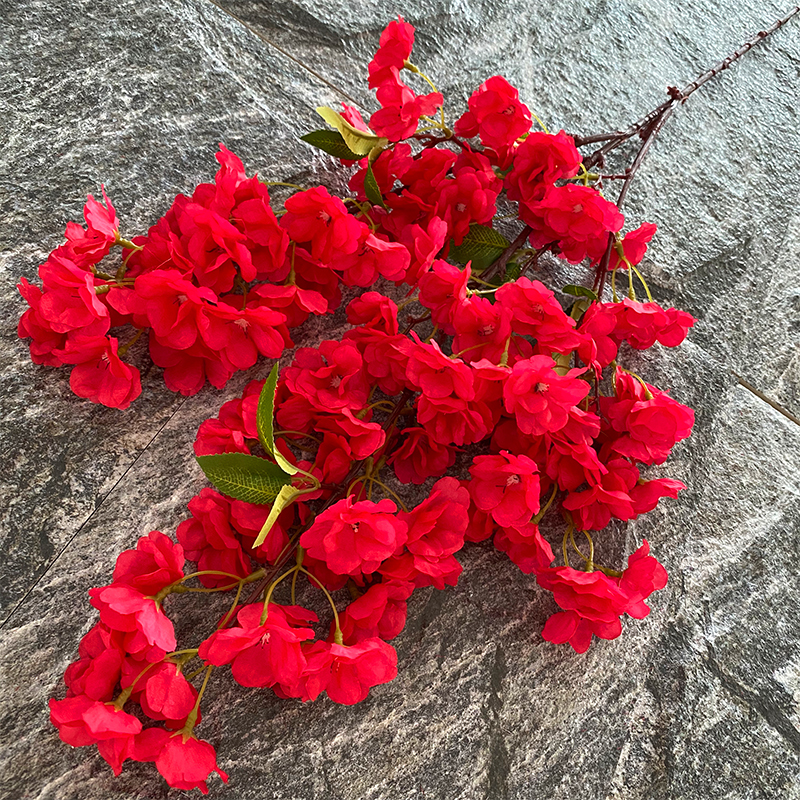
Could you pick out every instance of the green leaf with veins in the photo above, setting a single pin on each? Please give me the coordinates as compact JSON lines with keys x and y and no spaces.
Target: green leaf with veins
{"x":482,"y":246}
{"x":264,"y":421}
{"x":244,"y":477}
{"x":331,"y":142}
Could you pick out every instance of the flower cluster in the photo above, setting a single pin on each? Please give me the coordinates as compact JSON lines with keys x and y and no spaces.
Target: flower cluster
{"x":479,"y":364}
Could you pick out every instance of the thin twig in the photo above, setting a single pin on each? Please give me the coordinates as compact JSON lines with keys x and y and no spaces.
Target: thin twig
{"x":501,"y":262}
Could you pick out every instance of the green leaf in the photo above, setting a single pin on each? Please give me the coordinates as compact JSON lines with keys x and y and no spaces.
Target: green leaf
{"x":482,"y":246}
{"x":579,"y":291}
{"x":264,"y":421}
{"x":513,"y":271}
{"x":285,"y":498}
{"x":371,"y":188}
{"x":359,"y":142}
{"x":244,"y":477}
{"x":331,"y":142}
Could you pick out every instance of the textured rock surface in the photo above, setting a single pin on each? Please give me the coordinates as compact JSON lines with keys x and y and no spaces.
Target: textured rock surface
{"x":700,"y":700}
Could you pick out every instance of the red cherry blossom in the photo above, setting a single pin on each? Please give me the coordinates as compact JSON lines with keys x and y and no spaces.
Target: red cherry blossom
{"x":100,"y":375}
{"x":374,"y":311}
{"x":401,"y":109}
{"x":394,"y":49}
{"x":577,"y":218}
{"x":525,"y":546}
{"x":353,"y":538}
{"x":443,"y":290}
{"x":593,"y":509}
{"x":82,"y":721}
{"x":186,"y":763}
{"x":348,"y":672}
{"x":539,"y":397}
{"x":330,"y":376}
{"x":124,"y":609}
{"x":314,"y":216}
{"x":537,"y":313}
{"x":505,"y":486}
{"x":379,"y":612}
{"x":539,"y":161}
{"x":436,"y":375}
{"x":155,"y":563}
{"x":634,"y":246}
{"x":495,"y":114}
{"x":262,"y":653}
{"x":420,"y":457}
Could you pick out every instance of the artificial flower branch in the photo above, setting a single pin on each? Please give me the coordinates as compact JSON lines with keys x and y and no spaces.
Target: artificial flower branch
{"x":525,"y":383}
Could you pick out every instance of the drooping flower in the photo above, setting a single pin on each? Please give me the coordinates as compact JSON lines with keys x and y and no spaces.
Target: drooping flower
{"x":186,"y":764}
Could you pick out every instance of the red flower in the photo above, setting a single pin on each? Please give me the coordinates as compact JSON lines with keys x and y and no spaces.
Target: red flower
{"x":451,"y":420}
{"x":496,"y":114}
{"x":171,"y":306}
{"x":155,"y":563}
{"x":379,"y":612}
{"x":536,"y":312}
{"x":437,"y":375}
{"x":593,"y":508}
{"x":651,"y":426}
{"x":315,"y":216}
{"x":468,"y":197}
{"x":208,"y":539}
{"x":394,"y":49}
{"x":375,"y":256}
{"x":570,"y":626}
{"x":437,"y":525}
{"x":525,"y":546}
{"x":187,"y":763}
{"x":540,"y":161}
{"x":294,"y":302}
{"x":167,"y":695}
{"x":352,"y":538}
{"x":505,"y":486}
{"x":348,"y":672}
{"x":385,"y":357}
{"x":539,"y":397}
{"x":70,"y":301}
{"x":642,"y":324}
{"x":100,"y":375}
{"x":578,"y":218}
{"x":401,"y":109}
{"x":443,"y":290}
{"x":263,"y":654}
{"x":46,"y":342}
{"x":124,"y":609}
{"x":97,"y":671}
{"x":634,"y":245}
{"x":339,"y":383}
{"x":643,"y":576}
{"x":483,"y":330}
{"x":241,"y":335}
{"x":572,"y":464}
{"x":82,"y":721}
{"x":373,"y":311}
{"x":90,"y":246}
{"x":420,"y":457}
{"x":423,"y":242}
{"x":594,"y":602}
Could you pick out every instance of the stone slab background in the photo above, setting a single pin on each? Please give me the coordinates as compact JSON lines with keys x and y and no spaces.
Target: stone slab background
{"x":701,"y":699}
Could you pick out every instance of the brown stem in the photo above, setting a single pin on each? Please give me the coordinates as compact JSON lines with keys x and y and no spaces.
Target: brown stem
{"x":501,"y":262}
{"x":614,"y":140}
{"x":649,"y":126}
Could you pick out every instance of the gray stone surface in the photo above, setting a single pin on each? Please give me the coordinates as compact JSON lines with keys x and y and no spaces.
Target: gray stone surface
{"x":700,"y":700}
